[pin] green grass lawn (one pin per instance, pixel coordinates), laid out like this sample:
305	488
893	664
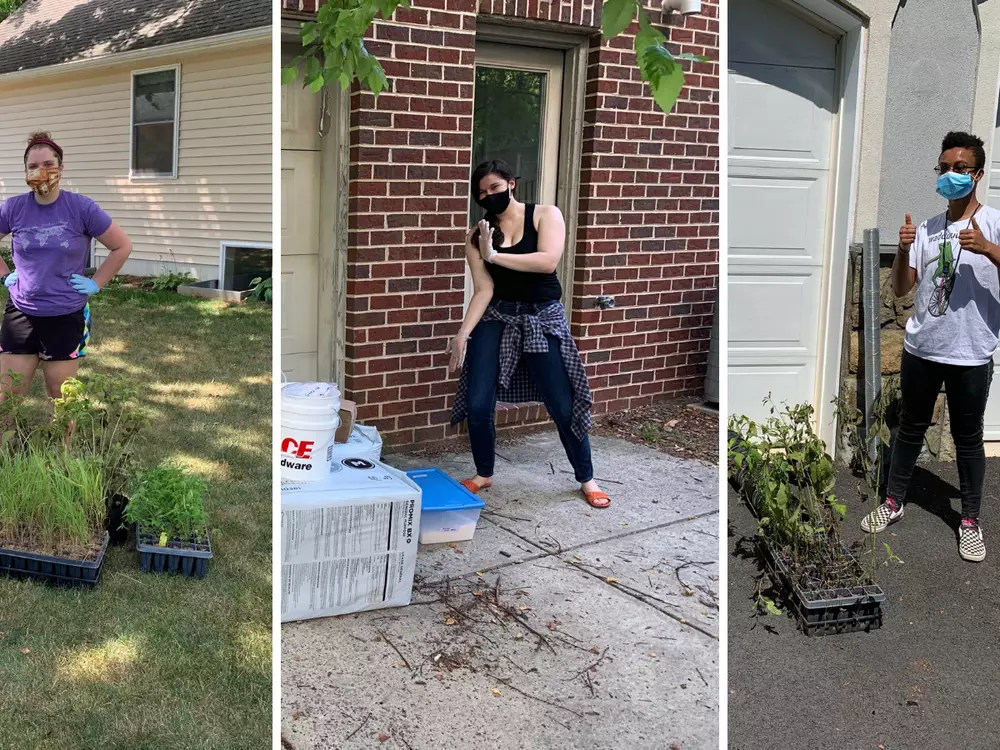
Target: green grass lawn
156	661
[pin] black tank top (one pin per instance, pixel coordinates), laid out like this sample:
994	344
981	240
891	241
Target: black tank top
524	286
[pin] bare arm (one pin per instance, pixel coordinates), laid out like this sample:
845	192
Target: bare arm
482	284
551	243
904	277
120	247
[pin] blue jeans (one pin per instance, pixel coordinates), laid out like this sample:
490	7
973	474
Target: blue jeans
549	374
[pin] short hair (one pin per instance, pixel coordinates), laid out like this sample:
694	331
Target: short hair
969	141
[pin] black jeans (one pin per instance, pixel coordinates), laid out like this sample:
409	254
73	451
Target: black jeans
549	374
967	389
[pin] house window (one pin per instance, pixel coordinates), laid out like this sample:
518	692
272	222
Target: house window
241	263
154	122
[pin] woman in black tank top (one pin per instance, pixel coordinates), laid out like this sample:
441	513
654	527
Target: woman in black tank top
515	345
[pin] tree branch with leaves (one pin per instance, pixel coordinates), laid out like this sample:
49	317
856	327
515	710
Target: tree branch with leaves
333	48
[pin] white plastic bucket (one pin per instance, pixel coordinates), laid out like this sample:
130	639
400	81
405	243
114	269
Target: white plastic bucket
310	416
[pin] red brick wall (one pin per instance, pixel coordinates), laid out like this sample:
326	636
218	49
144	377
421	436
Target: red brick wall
648	216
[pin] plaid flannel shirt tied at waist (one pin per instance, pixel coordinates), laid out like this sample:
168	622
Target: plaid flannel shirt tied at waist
525	333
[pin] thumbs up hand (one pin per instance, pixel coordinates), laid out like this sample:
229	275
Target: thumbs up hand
907	234
972	239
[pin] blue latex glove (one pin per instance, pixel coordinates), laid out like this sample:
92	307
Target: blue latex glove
11	279
84	285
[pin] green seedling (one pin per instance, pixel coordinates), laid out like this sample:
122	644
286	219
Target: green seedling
169	503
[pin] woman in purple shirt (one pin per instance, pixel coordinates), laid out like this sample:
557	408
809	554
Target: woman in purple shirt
47	318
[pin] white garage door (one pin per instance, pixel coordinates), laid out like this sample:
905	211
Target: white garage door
782	117
300	185
992	421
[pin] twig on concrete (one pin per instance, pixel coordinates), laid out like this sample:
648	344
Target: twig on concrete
506	682
701	676
552	468
393	647
504	458
564	726
509	518
362	726
589	666
357	638
589	682
285	744
403	740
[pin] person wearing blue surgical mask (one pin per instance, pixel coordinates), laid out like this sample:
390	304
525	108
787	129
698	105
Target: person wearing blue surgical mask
951	338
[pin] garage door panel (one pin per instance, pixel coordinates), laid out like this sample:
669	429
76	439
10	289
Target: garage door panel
299	207
772	217
299	112
299	368
772	314
782	114
760	22
299	297
792	383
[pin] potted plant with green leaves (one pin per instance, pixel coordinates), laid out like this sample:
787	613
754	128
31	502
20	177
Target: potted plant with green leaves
787	479
168	509
52	517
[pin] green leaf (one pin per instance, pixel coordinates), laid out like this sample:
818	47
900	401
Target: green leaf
309	33
288	75
317	84
664	75
769	606
616	17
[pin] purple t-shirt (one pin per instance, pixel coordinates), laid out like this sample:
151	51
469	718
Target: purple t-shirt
51	243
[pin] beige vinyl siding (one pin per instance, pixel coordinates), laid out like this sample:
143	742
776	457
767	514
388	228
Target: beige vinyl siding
223	188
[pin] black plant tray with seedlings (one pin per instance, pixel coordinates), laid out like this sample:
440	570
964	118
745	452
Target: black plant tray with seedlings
59	571
823	609
187	558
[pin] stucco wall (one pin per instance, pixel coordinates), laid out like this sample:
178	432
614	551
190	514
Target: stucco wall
933	58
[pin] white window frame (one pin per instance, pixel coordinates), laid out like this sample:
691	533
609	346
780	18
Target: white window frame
246	245
133	177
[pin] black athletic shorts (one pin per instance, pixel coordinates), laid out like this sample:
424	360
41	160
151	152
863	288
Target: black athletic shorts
52	339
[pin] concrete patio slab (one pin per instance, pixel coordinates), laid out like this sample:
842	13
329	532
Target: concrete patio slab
535	650
534	499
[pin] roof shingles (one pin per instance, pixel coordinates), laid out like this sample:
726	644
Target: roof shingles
49	32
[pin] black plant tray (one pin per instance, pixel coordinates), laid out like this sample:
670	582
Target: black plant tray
59	571
189	560
846	609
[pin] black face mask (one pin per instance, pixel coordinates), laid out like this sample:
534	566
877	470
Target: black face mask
495	203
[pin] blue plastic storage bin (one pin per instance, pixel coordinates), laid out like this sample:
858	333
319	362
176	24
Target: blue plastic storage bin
449	512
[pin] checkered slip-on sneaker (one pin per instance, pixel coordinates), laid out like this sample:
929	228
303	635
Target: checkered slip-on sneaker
880	518
971	546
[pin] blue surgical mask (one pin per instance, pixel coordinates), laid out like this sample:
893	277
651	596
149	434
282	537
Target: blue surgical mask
953	187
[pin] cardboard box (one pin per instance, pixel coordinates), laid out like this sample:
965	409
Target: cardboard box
348	414
348	544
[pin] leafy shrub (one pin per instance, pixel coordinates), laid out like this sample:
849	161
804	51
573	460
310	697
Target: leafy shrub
168	281
261	289
169	502
51	502
794	479
100	418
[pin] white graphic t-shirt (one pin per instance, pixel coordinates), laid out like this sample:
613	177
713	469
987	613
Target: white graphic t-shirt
956	316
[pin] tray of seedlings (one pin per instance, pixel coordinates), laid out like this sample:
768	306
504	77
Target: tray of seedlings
786	478
168	509
65	479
